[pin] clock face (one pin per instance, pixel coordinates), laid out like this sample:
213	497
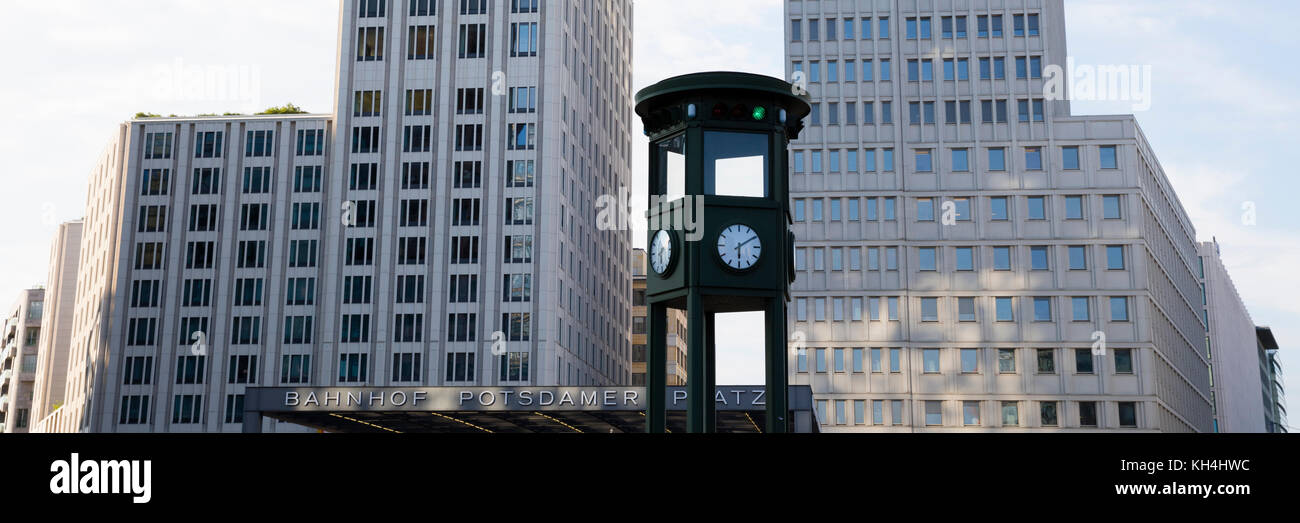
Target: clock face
661	252
739	247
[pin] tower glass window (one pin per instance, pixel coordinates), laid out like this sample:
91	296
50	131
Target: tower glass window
736	164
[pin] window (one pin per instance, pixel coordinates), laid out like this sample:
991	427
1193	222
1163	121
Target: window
187	409
1123	361
821	359
1087	414
1042	309
1078	257
141	332
1034	158
370	44
1108	157
1002	258
157	146
970	413
523	39
1010	414
353	368
993	111
295	369
135	410
1007	361
1115	257
926	257
929	309
1074	207
1037	207
1047	413
259	144
895	360
998	208
801	357
372	8
421	42
460	367
1119	308
923	160
472	41
243	369
970	361
246	331
997	159
796	31
960	160
1083	361
367	103
962	207
1079	304
427	7
1070	158
1046	361
925	209
1128	414
469	137
965	309
930	361
138	371
1038	258
1111	208
298	330
207	144
154	182
355	328
934	413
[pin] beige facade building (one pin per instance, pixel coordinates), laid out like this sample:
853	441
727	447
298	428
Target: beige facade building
437	216
965	242
676	343
20	335
56	329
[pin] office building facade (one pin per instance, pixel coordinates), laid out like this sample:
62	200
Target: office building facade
56	327
433	231
1232	348
1270	373
964	242
20	335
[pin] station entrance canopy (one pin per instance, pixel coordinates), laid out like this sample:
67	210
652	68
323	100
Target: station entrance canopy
740	409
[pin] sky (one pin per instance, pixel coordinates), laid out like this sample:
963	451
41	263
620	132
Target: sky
1223	121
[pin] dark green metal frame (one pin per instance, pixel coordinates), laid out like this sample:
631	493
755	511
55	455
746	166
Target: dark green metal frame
698	284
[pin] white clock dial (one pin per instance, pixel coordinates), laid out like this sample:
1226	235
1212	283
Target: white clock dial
739	247
661	252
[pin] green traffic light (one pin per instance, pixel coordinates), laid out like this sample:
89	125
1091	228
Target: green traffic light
760	113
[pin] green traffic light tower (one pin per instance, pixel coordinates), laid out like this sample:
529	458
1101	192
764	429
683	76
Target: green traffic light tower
718	147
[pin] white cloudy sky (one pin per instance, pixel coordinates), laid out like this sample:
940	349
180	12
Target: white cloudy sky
1224	119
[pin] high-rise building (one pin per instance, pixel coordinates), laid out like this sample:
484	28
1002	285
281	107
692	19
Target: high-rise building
56	328
965	242
676	329
20	336
1270	373
439	218
1232	347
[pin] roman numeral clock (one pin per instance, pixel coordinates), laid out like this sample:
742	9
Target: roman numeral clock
719	235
